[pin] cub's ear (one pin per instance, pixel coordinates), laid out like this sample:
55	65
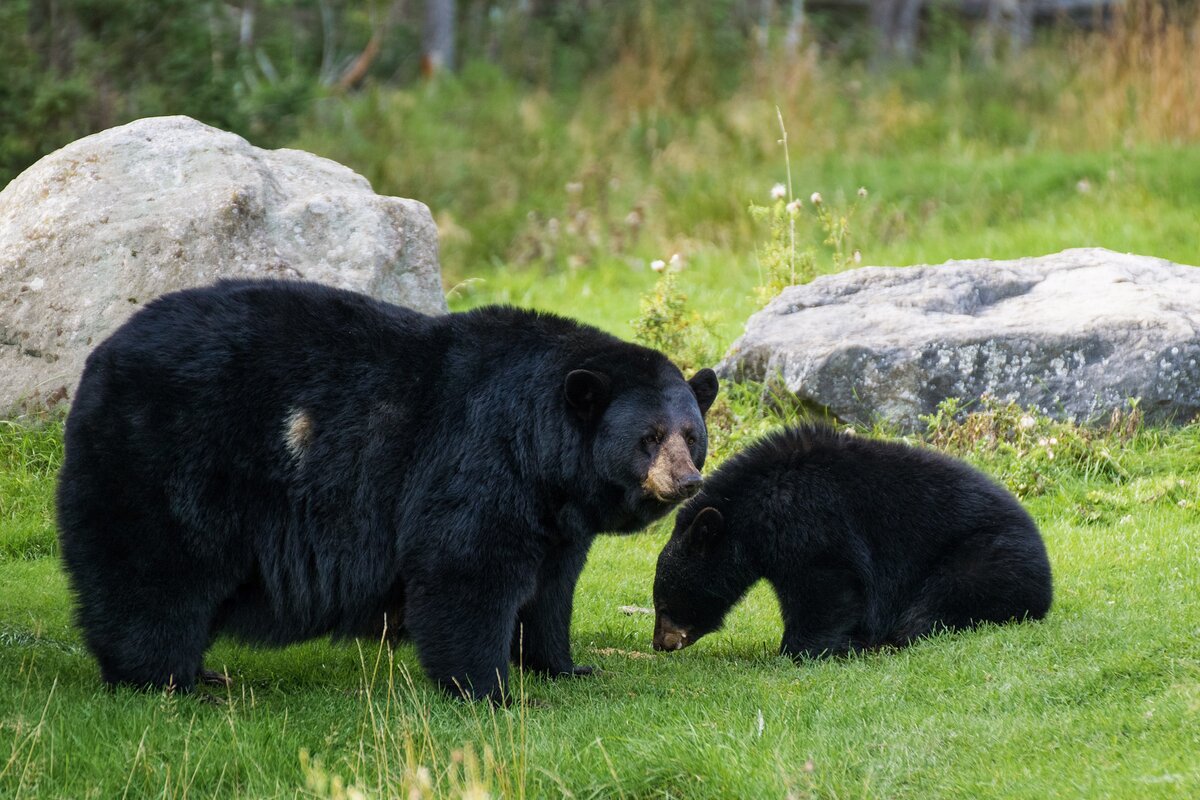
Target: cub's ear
587	392
706	528
704	386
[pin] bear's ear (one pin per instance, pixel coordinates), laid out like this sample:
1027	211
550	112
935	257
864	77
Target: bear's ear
587	392
704	386
706	528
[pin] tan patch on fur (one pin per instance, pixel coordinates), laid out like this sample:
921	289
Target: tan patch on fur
298	432
671	459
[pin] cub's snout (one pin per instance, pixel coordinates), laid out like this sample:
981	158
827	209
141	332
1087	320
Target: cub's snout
669	636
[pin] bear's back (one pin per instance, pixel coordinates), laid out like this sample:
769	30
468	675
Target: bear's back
813	481
219	369
265	324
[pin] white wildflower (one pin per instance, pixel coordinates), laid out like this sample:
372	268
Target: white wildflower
862	192
1026	422
675	262
778	191
793	207
658	265
816	199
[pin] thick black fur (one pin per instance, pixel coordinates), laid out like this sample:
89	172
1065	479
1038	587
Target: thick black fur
866	543
280	461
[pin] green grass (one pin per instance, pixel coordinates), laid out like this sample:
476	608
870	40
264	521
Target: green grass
922	209
1101	699
29	458
1098	700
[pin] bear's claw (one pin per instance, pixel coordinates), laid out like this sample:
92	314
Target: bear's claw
210	677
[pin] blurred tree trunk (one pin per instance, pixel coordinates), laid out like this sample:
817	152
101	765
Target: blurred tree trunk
246	27
894	25
768	16
766	10
1008	28
41	14
438	40
327	73
795	29
542	9
51	33
357	70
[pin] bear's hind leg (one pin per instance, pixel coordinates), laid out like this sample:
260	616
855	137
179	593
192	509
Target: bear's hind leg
986	578
160	647
146	588
147	619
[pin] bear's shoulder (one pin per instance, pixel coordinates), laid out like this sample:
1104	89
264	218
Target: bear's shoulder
570	342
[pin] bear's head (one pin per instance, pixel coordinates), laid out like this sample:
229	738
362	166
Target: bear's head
647	437
700	576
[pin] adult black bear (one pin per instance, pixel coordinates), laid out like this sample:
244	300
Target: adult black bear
866	543
280	461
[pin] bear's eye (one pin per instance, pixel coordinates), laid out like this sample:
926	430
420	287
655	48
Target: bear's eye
652	438
691	439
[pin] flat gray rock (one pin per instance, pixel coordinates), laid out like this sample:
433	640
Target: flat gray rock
97	229
1074	334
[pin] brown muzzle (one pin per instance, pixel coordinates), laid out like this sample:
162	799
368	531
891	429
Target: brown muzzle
672	475
669	636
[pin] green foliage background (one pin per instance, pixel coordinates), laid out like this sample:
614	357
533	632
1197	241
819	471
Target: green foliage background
577	143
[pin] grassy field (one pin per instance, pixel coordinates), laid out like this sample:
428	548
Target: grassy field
561	202
1101	699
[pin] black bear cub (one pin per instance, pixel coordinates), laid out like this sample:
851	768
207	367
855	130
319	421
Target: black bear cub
279	461
866	543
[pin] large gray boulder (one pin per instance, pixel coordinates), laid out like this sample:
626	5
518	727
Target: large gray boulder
1074	334
95	230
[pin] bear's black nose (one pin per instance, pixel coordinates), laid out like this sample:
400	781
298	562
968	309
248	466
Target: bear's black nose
690	485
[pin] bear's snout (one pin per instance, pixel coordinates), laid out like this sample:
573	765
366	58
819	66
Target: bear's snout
669	636
672	475
690	484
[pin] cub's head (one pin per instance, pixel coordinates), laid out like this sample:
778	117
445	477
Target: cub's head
699	578
648	437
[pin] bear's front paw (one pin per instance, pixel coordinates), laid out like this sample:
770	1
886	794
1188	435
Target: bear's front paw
567	671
